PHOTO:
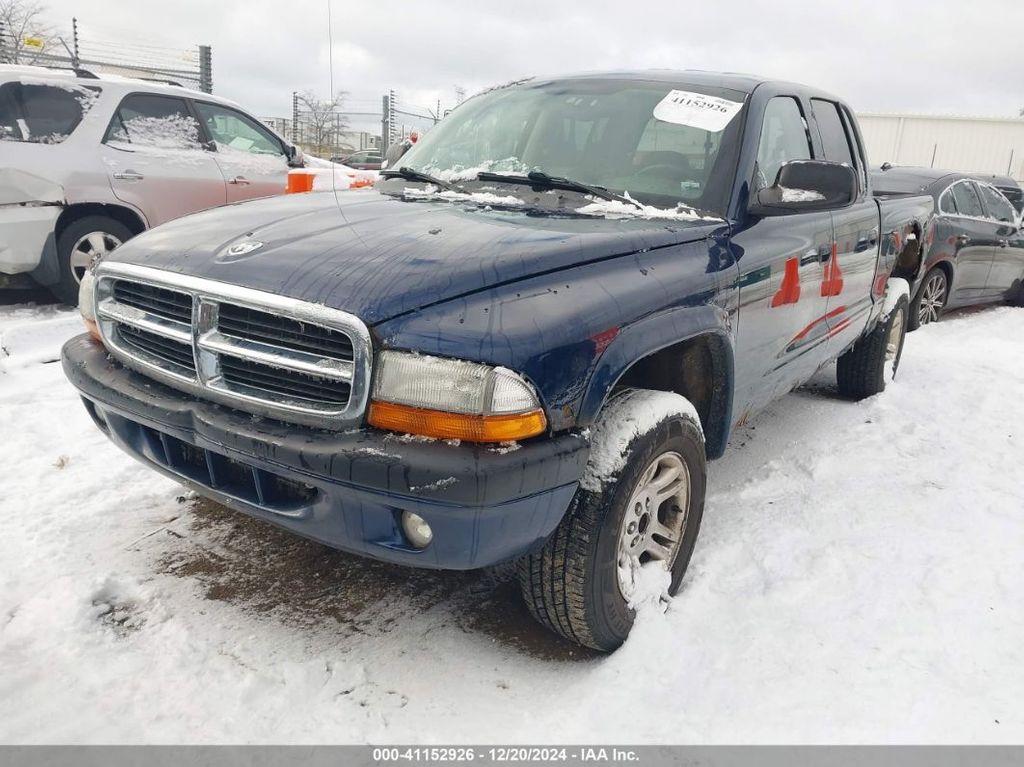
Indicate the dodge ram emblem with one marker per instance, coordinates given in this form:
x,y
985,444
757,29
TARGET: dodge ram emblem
x,y
244,247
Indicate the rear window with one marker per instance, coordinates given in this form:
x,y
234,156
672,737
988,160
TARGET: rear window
x,y
42,113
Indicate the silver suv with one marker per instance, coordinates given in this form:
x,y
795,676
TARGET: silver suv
x,y
88,161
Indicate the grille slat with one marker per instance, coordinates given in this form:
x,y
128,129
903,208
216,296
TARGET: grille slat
x,y
283,382
170,304
242,322
176,354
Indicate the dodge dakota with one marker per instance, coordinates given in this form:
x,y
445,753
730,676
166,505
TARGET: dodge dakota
x,y
525,342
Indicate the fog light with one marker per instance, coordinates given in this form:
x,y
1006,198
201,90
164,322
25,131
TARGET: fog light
x,y
416,530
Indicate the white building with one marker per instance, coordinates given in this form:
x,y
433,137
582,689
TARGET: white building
x,y
966,144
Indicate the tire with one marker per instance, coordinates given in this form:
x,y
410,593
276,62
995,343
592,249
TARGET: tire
x,y
864,369
81,240
573,585
924,310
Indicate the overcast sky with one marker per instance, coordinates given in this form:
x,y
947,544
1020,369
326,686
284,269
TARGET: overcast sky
x,y
931,56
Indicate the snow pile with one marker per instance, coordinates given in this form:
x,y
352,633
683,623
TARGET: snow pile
x,y
510,166
619,209
895,289
857,580
479,198
629,415
799,195
168,132
38,337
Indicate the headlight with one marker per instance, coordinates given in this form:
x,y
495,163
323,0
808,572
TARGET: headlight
x,y
87,304
451,399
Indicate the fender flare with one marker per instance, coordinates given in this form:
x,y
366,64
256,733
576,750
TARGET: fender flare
x,y
652,334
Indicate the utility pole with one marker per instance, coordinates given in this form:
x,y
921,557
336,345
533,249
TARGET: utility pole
x,y
295,117
75,59
205,69
387,127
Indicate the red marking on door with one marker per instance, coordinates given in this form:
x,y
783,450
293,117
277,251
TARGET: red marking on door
x,y
800,336
841,326
832,284
789,290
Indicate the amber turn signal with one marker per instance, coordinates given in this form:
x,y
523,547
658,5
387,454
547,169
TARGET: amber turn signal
x,y
506,427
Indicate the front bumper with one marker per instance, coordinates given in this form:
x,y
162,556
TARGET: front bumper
x,y
485,504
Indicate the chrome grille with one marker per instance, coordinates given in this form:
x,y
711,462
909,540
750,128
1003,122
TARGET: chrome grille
x,y
256,351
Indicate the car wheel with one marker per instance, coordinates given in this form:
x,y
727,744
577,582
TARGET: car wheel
x,y
78,245
930,299
641,499
865,368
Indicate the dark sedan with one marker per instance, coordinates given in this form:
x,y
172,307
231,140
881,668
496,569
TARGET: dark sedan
x,y
973,247
367,159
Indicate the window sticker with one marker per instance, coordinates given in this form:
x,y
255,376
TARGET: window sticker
x,y
697,110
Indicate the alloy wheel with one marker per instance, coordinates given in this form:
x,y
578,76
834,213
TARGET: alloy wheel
x,y
89,247
655,519
933,298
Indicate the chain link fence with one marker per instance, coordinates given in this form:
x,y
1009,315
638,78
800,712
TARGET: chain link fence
x,y
114,52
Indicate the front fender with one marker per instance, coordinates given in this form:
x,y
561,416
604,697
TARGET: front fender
x,y
651,335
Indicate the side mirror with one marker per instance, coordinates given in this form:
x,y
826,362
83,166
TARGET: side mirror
x,y
295,157
803,186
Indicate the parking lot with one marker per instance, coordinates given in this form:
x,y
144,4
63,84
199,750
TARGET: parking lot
x,y
851,584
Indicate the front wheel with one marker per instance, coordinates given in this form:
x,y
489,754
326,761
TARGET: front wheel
x,y
869,364
79,244
639,502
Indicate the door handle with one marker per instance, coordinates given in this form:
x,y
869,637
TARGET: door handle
x,y
1003,243
241,180
963,239
128,175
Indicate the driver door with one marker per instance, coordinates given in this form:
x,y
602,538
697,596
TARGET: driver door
x,y
782,337
253,160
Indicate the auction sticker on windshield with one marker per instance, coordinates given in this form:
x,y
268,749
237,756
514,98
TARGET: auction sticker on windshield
x,y
697,110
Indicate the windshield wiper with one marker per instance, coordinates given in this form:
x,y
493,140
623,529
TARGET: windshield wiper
x,y
411,174
540,178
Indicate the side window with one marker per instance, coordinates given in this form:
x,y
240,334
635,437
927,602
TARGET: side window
x,y
997,205
42,114
783,138
834,140
162,122
947,205
967,202
862,161
234,130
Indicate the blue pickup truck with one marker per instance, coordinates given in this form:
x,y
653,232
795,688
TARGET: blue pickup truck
x,y
525,342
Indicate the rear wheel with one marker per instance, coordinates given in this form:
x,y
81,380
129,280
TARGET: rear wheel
x,y
78,245
646,508
869,364
930,299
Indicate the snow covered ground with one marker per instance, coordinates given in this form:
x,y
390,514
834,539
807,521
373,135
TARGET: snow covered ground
x,y
859,578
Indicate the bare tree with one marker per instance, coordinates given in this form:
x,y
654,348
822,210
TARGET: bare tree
x,y
23,33
322,121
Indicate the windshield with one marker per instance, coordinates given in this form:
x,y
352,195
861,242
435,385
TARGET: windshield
x,y
661,143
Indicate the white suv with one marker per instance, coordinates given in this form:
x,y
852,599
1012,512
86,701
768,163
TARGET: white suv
x,y
87,162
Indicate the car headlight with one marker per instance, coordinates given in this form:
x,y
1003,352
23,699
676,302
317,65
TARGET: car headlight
x,y
87,304
452,399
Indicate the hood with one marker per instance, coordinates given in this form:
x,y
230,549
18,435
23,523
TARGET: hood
x,y
377,256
